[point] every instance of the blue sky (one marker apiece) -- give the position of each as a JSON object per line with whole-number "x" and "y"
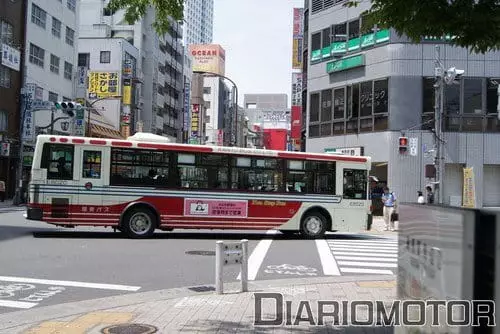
{"x": 257, "y": 37}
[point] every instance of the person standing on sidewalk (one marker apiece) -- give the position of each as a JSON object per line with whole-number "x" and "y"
{"x": 389, "y": 200}
{"x": 2, "y": 191}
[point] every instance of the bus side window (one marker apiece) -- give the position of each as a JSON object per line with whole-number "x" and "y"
{"x": 58, "y": 160}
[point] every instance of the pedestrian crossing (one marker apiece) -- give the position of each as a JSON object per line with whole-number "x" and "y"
{"x": 369, "y": 256}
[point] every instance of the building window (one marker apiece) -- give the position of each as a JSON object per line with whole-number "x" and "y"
{"x": 70, "y": 36}
{"x": 339, "y": 33}
{"x": 54, "y": 64}
{"x": 68, "y": 70}
{"x": 354, "y": 29}
{"x": 380, "y": 97}
{"x": 492, "y": 95}
{"x": 207, "y": 90}
{"x": 365, "y": 99}
{"x": 339, "y": 104}
{"x": 314, "y": 108}
{"x": 38, "y": 16}
{"x": 4, "y": 76}
{"x": 326, "y": 105}
{"x": 105, "y": 57}
{"x": 473, "y": 88}
{"x": 3, "y": 121}
{"x": 326, "y": 38}
{"x": 84, "y": 59}
{"x": 6, "y": 32}
{"x": 316, "y": 41}
{"x": 53, "y": 97}
{"x": 37, "y": 55}
{"x": 71, "y": 5}
{"x": 56, "y": 27}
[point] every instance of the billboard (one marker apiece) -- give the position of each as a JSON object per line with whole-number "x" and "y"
{"x": 296, "y": 122}
{"x": 276, "y": 119}
{"x": 103, "y": 84}
{"x": 296, "y": 89}
{"x": 195, "y": 121}
{"x": 298, "y": 36}
{"x": 208, "y": 58}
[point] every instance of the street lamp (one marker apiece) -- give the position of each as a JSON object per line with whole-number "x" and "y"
{"x": 89, "y": 109}
{"x": 210, "y": 74}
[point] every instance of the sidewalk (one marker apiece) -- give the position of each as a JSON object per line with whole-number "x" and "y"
{"x": 8, "y": 206}
{"x": 183, "y": 310}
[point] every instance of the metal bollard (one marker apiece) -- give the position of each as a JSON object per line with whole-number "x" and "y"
{"x": 231, "y": 254}
{"x": 244, "y": 265}
{"x": 219, "y": 255}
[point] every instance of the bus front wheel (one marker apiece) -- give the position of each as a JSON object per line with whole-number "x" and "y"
{"x": 313, "y": 225}
{"x": 139, "y": 223}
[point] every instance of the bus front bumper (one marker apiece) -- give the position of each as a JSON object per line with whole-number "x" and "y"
{"x": 34, "y": 214}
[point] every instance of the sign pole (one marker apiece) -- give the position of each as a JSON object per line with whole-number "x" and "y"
{"x": 244, "y": 265}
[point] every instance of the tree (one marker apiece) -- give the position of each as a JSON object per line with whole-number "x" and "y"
{"x": 136, "y": 9}
{"x": 473, "y": 24}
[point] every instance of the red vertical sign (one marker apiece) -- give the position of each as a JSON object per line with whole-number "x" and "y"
{"x": 296, "y": 122}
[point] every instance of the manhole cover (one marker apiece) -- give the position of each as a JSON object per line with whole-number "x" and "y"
{"x": 202, "y": 288}
{"x": 130, "y": 329}
{"x": 201, "y": 252}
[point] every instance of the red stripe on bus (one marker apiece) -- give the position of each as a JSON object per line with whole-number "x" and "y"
{"x": 78, "y": 141}
{"x": 319, "y": 157}
{"x": 97, "y": 142}
{"x": 121, "y": 143}
{"x": 63, "y": 140}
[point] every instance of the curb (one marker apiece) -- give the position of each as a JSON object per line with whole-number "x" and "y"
{"x": 34, "y": 316}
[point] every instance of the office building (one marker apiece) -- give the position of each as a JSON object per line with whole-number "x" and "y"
{"x": 216, "y": 96}
{"x": 158, "y": 81}
{"x": 365, "y": 87}
{"x": 12, "y": 30}
{"x": 198, "y": 22}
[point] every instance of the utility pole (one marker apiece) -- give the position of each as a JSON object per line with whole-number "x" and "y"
{"x": 438, "y": 112}
{"x": 443, "y": 77}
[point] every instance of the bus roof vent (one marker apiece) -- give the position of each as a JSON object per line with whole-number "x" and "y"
{"x": 149, "y": 137}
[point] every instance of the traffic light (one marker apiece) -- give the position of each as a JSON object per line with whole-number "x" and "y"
{"x": 68, "y": 107}
{"x": 403, "y": 145}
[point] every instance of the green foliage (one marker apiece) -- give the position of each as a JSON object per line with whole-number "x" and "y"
{"x": 136, "y": 9}
{"x": 474, "y": 24}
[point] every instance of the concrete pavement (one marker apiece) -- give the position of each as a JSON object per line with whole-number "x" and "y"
{"x": 182, "y": 310}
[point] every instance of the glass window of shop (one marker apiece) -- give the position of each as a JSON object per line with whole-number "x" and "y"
{"x": 354, "y": 29}
{"x": 316, "y": 41}
{"x": 361, "y": 107}
{"x": 339, "y": 33}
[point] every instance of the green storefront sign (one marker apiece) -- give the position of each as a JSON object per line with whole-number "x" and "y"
{"x": 352, "y": 45}
{"x": 345, "y": 63}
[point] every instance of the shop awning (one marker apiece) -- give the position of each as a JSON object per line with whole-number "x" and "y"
{"x": 103, "y": 132}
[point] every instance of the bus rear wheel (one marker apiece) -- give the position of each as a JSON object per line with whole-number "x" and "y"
{"x": 139, "y": 223}
{"x": 313, "y": 225}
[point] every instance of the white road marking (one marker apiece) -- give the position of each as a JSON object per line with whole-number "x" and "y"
{"x": 355, "y": 249}
{"x": 70, "y": 283}
{"x": 328, "y": 262}
{"x": 366, "y": 271}
{"x": 368, "y": 264}
{"x": 395, "y": 256}
{"x": 365, "y": 258}
{"x": 257, "y": 257}
{"x": 16, "y": 304}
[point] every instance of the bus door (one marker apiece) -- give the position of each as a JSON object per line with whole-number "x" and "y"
{"x": 91, "y": 178}
{"x": 354, "y": 191}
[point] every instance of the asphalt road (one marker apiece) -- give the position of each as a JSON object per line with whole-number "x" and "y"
{"x": 43, "y": 265}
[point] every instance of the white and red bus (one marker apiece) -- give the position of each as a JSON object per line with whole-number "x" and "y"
{"x": 145, "y": 183}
